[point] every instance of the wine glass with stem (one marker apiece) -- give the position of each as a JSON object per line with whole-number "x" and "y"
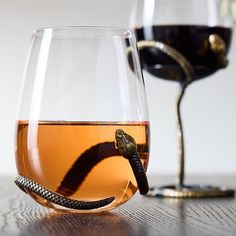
{"x": 183, "y": 41}
{"x": 83, "y": 124}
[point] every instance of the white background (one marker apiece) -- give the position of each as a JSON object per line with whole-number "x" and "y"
{"x": 209, "y": 109}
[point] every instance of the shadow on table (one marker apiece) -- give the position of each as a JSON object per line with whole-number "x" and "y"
{"x": 83, "y": 224}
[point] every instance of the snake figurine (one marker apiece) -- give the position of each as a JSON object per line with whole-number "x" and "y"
{"x": 26, "y": 183}
{"x": 126, "y": 147}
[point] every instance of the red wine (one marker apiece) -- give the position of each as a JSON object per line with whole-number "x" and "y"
{"x": 191, "y": 40}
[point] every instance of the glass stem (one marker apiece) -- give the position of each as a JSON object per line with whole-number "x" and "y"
{"x": 180, "y": 136}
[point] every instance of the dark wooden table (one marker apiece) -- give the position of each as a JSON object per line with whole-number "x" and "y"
{"x": 142, "y": 216}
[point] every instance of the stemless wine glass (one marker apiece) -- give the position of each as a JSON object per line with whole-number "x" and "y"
{"x": 183, "y": 41}
{"x": 80, "y": 93}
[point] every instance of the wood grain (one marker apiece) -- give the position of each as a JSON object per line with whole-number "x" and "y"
{"x": 141, "y": 216}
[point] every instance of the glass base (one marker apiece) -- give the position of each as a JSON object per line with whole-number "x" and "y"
{"x": 191, "y": 191}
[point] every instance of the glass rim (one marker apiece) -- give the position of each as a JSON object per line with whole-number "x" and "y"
{"x": 81, "y": 32}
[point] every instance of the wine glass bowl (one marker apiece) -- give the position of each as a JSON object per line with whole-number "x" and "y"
{"x": 197, "y": 29}
{"x": 206, "y": 52}
{"x": 78, "y": 90}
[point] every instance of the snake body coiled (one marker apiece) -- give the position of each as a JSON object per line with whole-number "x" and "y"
{"x": 31, "y": 185}
{"x": 125, "y": 146}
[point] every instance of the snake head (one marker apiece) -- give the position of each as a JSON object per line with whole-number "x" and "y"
{"x": 217, "y": 46}
{"x": 125, "y": 144}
